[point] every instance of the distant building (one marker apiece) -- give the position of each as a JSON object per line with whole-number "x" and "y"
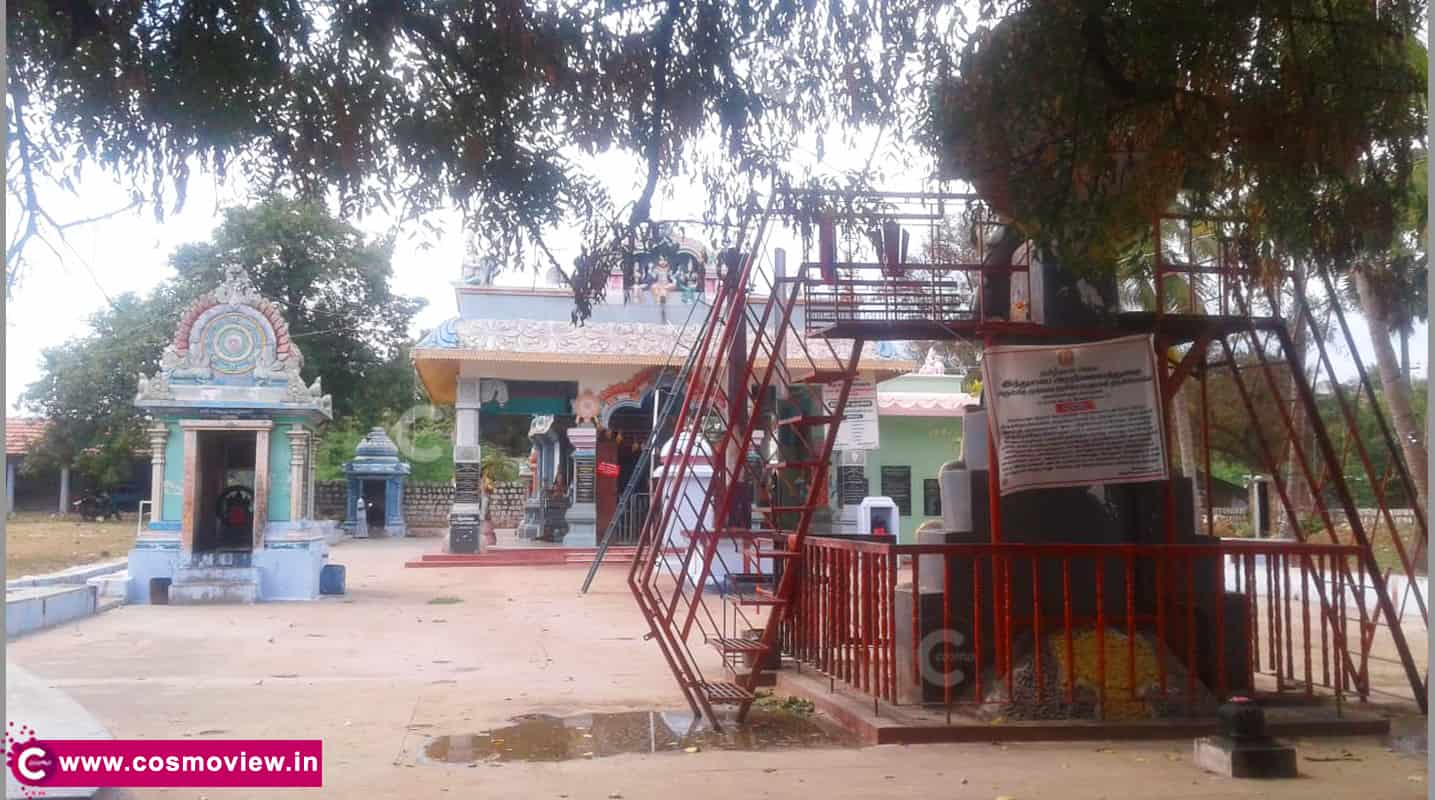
{"x": 51, "y": 490}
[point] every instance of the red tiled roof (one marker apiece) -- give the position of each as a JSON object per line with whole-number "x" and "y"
{"x": 21, "y": 433}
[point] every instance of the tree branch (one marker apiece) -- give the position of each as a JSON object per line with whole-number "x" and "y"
{"x": 654, "y": 147}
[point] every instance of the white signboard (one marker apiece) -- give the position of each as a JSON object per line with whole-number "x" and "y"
{"x": 1075, "y": 415}
{"x": 858, "y": 430}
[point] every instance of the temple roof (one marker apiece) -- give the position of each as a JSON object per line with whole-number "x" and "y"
{"x": 376, "y": 454}
{"x": 513, "y": 343}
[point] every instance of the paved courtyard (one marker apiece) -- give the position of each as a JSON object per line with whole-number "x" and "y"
{"x": 412, "y": 654}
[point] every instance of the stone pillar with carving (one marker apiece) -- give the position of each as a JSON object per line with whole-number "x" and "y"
{"x": 583, "y": 514}
{"x": 298, "y": 449}
{"x": 465, "y": 519}
{"x": 158, "y": 438}
{"x": 311, "y": 462}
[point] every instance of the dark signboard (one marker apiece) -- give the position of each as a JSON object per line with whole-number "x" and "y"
{"x": 931, "y": 498}
{"x": 851, "y": 484}
{"x": 897, "y": 484}
{"x": 583, "y": 492}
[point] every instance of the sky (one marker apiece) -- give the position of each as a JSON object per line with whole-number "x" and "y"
{"x": 130, "y": 253}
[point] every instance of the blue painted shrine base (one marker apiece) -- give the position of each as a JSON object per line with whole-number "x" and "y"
{"x": 288, "y": 565}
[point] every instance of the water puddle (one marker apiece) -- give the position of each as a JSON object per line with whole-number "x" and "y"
{"x": 541, "y": 737}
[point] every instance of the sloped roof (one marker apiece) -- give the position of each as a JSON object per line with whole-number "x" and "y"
{"x": 21, "y": 433}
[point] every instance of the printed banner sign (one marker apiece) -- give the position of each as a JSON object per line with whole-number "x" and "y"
{"x": 607, "y": 469}
{"x": 44, "y": 765}
{"x": 1075, "y": 415}
{"x": 858, "y": 430}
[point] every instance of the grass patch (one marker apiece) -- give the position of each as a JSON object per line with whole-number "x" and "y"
{"x": 37, "y": 543}
{"x": 445, "y": 601}
{"x": 788, "y": 705}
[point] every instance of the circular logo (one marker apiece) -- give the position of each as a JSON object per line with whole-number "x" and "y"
{"x": 32, "y": 762}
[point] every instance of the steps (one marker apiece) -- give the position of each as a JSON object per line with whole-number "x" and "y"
{"x": 526, "y": 557}
{"x": 214, "y": 585}
{"x": 761, "y": 556}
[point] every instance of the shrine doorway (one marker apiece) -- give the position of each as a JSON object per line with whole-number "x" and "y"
{"x": 627, "y": 434}
{"x": 223, "y": 512}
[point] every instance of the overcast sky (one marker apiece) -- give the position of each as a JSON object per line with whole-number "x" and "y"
{"x": 130, "y": 253}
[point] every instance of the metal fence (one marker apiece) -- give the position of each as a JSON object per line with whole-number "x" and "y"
{"x": 1033, "y": 628}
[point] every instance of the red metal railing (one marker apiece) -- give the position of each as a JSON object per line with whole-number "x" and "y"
{"x": 1179, "y": 625}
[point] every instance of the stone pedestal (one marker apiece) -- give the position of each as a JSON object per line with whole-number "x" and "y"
{"x": 465, "y": 520}
{"x": 1235, "y": 758}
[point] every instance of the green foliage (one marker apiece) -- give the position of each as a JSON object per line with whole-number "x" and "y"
{"x": 333, "y": 288}
{"x": 494, "y": 107}
{"x": 330, "y": 283}
{"x": 1084, "y": 121}
{"x": 87, "y": 387}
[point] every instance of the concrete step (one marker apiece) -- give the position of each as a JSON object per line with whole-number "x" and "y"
{"x": 111, "y": 586}
{"x": 199, "y": 593}
{"x": 216, "y": 575}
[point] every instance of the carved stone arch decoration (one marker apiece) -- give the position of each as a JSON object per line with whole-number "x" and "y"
{"x": 633, "y": 392}
{"x": 233, "y": 335}
{"x": 236, "y": 342}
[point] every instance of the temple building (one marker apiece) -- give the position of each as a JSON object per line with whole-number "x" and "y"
{"x": 593, "y": 392}
{"x": 233, "y": 442}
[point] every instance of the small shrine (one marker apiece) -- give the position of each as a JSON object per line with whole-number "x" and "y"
{"x": 376, "y": 476}
{"x": 233, "y": 441}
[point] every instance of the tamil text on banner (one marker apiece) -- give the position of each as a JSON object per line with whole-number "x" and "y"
{"x": 1075, "y": 415}
{"x": 858, "y": 430}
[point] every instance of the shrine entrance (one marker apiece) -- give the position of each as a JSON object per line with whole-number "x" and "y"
{"x": 224, "y": 486}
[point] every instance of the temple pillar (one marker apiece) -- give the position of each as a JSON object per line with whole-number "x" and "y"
{"x": 261, "y": 486}
{"x": 583, "y": 514}
{"x": 532, "y": 524}
{"x": 191, "y": 490}
{"x": 158, "y": 437}
{"x": 64, "y": 489}
{"x": 311, "y": 474}
{"x": 298, "y": 450}
{"x": 465, "y": 518}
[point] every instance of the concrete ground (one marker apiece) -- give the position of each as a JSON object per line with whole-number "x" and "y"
{"x": 410, "y": 654}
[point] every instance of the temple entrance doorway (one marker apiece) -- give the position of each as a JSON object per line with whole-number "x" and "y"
{"x": 224, "y": 482}
{"x": 375, "y": 504}
{"x": 627, "y": 434}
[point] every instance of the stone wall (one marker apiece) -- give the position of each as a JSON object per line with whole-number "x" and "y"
{"x": 329, "y": 499}
{"x": 1368, "y": 516}
{"x": 426, "y": 505}
{"x": 505, "y": 504}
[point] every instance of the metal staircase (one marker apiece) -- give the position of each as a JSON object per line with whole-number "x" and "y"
{"x": 712, "y": 567}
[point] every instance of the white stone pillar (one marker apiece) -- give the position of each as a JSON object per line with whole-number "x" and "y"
{"x": 298, "y": 448}
{"x": 9, "y": 486}
{"x": 465, "y": 521}
{"x": 64, "y": 489}
{"x": 158, "y": 437}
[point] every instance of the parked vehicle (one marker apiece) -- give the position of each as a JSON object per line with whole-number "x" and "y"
{"x": 127, "y": 496}
{"x": 96, "y": 505}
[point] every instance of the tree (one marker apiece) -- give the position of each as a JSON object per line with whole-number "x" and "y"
{"x": 492, "y": 106}
{"x": 1084, "y": 121}
{"x": 87, "y": 387}
{"x": 331, "y": 284}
